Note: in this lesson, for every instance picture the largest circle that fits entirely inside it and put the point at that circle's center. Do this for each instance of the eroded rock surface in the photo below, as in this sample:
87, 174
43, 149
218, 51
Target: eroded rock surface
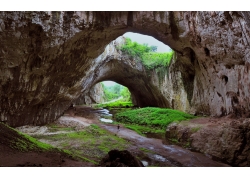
223, 139
48, 59
94, 96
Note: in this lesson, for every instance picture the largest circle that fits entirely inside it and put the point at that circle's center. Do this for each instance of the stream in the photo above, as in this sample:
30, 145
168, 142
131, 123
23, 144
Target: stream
157, 151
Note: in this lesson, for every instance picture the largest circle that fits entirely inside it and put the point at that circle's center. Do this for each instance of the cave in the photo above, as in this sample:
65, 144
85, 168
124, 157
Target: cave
45, 67
49, 59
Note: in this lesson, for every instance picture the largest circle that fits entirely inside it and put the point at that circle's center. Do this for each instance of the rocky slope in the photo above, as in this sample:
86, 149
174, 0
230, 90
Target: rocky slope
48, 59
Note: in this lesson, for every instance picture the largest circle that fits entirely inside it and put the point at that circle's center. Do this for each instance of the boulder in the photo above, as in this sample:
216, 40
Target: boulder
116, 158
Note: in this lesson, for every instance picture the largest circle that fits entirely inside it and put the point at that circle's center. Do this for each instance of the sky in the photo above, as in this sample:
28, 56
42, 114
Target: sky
141, 39
109, 83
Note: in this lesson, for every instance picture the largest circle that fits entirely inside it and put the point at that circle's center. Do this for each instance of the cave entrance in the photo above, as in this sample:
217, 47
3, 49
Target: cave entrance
131, 60
110, 92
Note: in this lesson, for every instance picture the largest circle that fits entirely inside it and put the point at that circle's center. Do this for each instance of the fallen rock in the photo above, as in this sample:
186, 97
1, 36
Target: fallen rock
116, 158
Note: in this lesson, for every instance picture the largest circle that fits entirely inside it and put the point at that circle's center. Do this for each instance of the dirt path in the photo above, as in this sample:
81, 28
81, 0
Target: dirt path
169, 154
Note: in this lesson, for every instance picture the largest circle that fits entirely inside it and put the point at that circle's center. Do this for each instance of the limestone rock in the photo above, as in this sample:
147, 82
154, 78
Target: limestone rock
48, 59
224, 139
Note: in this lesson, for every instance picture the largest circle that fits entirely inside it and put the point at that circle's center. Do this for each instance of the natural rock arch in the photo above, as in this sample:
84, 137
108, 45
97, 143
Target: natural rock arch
129, 72
47, 57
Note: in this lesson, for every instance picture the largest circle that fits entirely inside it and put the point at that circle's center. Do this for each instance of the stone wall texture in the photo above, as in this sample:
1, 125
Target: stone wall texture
48, 59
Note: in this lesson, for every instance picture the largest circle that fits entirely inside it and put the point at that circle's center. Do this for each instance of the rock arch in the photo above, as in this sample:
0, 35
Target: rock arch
48, 58
129, 72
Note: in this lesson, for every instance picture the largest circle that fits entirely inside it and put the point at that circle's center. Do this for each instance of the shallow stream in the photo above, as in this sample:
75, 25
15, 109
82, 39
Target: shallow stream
154, 147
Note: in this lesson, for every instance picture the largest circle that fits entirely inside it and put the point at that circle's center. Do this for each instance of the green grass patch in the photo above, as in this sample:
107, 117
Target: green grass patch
142, 130
91, 143
154, 60
174, 140
146, 150
152, 117
147, 54
22, 142
116, 104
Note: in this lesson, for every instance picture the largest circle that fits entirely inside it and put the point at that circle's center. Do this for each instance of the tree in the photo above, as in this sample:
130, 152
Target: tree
153, 48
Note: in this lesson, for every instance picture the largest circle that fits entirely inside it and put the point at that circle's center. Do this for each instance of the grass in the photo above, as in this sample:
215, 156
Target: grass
91, 143
154, 60
26, 143
174, 140
158, 118
148, 56
116, 104
22, 142
142, 130
146, 150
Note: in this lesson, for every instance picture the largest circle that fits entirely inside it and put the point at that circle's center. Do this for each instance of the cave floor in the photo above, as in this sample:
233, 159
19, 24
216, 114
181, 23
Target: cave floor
152, 152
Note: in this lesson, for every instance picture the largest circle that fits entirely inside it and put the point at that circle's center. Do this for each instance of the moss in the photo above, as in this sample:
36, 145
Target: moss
195, 129
174, 140
92, 143
146, 150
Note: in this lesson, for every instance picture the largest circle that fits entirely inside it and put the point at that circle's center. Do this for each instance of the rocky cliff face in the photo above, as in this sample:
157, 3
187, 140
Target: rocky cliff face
93, 96
48, 59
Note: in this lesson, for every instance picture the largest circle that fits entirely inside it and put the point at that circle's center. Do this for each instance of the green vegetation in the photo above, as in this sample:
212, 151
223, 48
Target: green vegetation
91, 144
142, 130
27, 143
195, 129
115, 104
116, 91
146, 150
23, 142
154, 60
149, 58
174, 140
152, 117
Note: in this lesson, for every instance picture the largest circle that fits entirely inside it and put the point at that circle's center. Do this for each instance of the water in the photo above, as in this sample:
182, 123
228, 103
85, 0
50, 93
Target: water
106, 120
145, 163
159, 158
103, 112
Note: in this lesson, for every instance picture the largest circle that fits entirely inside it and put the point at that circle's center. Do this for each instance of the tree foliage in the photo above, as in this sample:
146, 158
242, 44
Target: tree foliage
148, 55
116, 91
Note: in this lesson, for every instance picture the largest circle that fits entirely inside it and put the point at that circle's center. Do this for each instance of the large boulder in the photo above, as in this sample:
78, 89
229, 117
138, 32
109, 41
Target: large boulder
116, 158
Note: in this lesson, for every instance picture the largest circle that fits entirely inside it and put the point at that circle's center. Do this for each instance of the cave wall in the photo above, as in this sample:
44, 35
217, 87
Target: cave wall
93, 96
47, 59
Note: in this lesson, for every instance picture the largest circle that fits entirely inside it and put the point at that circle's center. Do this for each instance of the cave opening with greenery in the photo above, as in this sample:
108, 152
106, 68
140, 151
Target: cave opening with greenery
150, 56
115, 95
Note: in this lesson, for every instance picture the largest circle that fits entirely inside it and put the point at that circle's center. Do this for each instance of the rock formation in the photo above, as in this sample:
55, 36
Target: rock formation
116, 158
93, 96
223, 139
48, 59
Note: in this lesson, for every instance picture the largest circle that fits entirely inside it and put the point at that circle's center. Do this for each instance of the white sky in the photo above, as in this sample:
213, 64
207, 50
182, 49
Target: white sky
141, 39
109, 83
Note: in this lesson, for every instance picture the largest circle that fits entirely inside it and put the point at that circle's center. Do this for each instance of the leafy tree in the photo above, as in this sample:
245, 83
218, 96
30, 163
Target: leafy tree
153, 48
148, 55
126, 94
